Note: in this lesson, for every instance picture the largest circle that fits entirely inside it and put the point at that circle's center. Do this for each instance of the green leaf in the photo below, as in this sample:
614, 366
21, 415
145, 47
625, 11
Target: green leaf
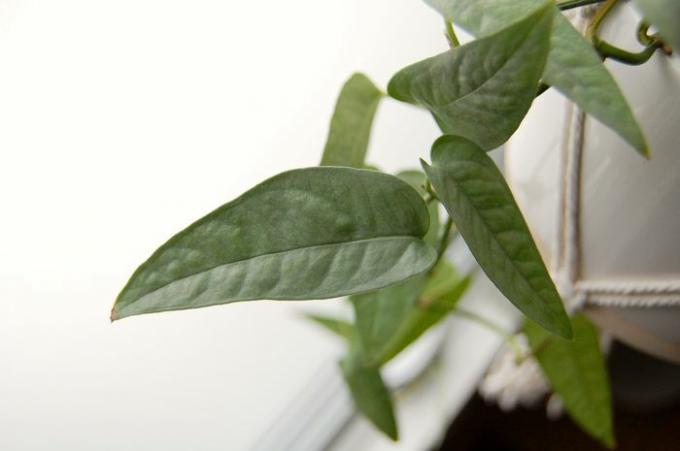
665, 16
441, 282
573, 67
351, 123
483, 89
578, 374
370, 395
417, 180
477, 198
339, 327
379, 314
442, 292
305, 234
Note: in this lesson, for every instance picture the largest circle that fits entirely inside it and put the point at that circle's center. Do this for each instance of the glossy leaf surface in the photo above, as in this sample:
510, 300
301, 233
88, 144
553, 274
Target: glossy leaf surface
305, 234
483, 89
664, 15
351, 123
573, 67
370, 394
577, 372
478, 199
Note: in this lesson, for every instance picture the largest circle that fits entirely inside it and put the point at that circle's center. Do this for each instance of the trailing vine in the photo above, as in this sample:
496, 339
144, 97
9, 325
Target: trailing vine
347, 229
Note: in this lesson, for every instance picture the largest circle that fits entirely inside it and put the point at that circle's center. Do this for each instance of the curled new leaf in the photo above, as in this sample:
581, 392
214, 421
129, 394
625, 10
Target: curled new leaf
483, 89
305, 234
481, 205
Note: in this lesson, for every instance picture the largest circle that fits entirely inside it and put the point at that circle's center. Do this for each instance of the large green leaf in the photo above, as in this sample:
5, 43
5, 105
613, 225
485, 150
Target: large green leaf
477, 198
577, 373
370, 394
440, 296
574, 67
483, 89
379, 314
351, 123
305, 234
664, 15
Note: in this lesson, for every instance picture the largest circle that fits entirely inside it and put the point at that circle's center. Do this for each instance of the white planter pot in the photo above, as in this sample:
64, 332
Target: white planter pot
606, 220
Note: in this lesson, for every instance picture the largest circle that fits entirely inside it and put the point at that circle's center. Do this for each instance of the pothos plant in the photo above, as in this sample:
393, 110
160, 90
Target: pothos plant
346, 229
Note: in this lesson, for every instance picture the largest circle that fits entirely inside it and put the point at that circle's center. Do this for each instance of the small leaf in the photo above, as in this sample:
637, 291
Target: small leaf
578, 374
339, 327
481, 205
351, 123
573, 67
305, 234
664, 15
483, 89
370, 395
379, 314
440, 296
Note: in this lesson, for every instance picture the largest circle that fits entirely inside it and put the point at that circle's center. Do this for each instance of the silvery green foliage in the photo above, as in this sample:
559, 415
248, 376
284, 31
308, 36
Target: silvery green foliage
341, 229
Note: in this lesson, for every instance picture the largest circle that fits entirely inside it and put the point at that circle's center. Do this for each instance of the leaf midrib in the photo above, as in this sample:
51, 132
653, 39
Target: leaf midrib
500, 68
493, 236
379, 238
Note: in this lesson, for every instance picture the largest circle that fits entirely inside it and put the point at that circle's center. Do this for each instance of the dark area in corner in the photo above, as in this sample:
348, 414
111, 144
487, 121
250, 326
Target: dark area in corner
646, 394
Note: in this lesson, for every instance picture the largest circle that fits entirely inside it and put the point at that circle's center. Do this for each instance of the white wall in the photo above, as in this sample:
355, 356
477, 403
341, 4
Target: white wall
120, 123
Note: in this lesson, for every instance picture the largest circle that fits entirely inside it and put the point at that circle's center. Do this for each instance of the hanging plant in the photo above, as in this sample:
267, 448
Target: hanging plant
345, 229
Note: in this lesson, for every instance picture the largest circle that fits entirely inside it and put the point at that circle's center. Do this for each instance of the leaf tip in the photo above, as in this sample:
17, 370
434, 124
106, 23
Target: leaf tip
114, 314
609, 441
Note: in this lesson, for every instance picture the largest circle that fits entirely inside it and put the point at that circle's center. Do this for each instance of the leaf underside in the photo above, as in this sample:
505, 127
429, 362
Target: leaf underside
481, 205
305, 234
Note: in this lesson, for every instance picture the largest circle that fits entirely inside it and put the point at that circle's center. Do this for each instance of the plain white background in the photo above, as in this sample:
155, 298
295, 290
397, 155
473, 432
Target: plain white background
120, 123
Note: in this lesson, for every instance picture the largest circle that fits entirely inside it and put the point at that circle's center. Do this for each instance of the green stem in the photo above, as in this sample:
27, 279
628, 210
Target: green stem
606, 50
429, 198
570, 4
600, 14
492, 326
451, 34
429, 190
444, 241
643, 36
